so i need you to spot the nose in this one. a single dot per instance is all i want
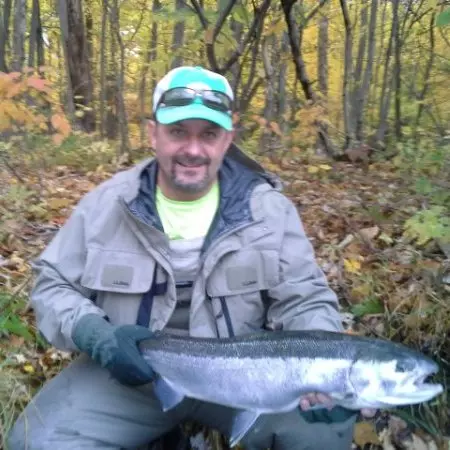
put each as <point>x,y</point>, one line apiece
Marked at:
<point>193,147</point>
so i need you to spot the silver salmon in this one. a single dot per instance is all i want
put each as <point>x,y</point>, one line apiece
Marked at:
<point>268,372</point>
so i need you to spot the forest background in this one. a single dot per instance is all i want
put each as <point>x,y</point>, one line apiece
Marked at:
<point>348,101</point>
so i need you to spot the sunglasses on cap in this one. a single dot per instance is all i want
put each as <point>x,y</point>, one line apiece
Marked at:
<point>182,96</point>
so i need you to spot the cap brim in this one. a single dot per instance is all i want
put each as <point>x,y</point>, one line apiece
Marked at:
<point>172,114</point>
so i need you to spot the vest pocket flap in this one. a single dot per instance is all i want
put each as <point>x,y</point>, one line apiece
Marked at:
<point>116,271</point>
<point>242,272</point>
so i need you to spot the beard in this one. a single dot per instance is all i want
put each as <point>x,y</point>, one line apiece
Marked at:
<point>190,161</point>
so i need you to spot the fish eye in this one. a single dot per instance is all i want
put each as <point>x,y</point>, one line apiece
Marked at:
<point>404,366</point>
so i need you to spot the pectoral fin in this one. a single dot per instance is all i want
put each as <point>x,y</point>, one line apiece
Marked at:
<point>242,422</point>
<point>167,395</point>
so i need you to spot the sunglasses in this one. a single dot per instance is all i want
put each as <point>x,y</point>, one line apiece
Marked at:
<point>185,96</point>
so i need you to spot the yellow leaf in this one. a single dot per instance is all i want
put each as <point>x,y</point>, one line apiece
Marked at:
<point>325,167</point>
<point>313,169</point>
<point>28,368</point>
<point>352,265</point>
<point>58,203</point>
<point>79,113</point>
<point>364,433</point>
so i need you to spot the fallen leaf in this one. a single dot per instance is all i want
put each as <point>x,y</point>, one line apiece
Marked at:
<point>28,368</point>
<point>58,203</point>
<point>313,169</point>
<point>385,238</point>
<point>370,233</point>
<point>352,265</point>
<point>346,241</point>
<point>364,433</point>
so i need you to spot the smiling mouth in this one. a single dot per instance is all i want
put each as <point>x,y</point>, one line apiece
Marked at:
<point>191,166</point>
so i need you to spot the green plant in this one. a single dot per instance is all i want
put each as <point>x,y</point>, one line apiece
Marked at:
<point>432,223</point>
<point>11,320</point>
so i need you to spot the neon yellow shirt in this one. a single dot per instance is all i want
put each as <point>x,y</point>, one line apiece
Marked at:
<point>187,220</point>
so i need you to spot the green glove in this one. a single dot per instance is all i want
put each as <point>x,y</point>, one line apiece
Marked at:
<point>114,347</point>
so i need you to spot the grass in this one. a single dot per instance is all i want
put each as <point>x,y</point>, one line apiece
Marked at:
<point>18,341</point>
<point>14,396</point>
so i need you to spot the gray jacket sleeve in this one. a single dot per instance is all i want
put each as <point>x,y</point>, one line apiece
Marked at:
<point>57,296</point>
<point>302,300</point>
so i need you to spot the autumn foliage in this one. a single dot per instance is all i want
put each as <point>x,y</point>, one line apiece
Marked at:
<point>27,103</point>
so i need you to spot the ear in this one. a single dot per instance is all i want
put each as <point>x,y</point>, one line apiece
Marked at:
<point>152,132</point>
<point>230,137</point>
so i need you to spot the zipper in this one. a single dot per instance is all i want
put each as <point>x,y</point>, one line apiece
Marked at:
<point>226,314</point>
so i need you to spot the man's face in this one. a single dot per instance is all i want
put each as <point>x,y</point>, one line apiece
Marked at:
<point>189,155</point>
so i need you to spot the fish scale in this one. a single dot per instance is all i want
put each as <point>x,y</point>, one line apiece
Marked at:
<point>268,372</point>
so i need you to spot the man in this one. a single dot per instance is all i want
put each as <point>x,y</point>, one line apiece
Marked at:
<point>191,242</point>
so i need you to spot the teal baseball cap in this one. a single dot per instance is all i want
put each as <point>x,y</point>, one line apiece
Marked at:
<point>193,93</point>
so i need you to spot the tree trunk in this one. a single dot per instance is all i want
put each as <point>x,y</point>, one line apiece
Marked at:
<point>149,59</point>
<point>36,42</point>
<point>397,84</point>
<point>322,55</point>
<point>268,50</point>
<point>89,28</point>
<point>348,63</point>
<point>295,40</point>
<point>361,45</point>
<point>426,78</point>
<point>112,121</point>
<point>386,90</point>
<point>373,91</point>
<point>4,34</point>
<point>322,70</point>
<point>363,92</point>
<point>120,79</point>
<point>359,66</point>
<point>20,24</point>
<point>103,69</point>
<point>178,37</point>
<point>77,59</point>
<point>236,69</point>
<point>282,79</point>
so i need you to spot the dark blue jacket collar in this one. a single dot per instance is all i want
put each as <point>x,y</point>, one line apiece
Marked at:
<point>236,185</point>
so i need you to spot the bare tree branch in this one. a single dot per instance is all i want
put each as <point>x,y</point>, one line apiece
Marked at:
<point>295,39</point>
<point>223,17</point>
<point>201,15</point>
<point>315,10</point>
<point>258,19</point>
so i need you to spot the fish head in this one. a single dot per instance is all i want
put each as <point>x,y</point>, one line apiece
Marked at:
<point>395,376</point>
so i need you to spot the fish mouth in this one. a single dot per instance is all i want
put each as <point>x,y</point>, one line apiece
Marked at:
<point>419,389</point>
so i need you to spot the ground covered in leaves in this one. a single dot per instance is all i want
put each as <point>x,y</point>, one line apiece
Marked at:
<point>389,285</point>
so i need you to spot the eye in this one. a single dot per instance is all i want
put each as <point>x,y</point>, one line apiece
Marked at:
<point>404,366</point>
<point>210,134</point>
<point>177,132</point>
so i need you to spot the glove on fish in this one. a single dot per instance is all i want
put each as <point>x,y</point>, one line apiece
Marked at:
<point>115,348</point>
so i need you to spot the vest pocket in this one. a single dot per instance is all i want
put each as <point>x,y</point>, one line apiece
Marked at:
<point>116,271</point>
<point>235,287</point>
<point>119,280</point>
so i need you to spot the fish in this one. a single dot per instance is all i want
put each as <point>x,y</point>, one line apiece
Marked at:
<point>268,372</point>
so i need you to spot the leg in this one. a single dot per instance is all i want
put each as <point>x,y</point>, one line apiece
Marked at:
<point>296,430</point>
<point>299,431</point>
<point>83,407</point>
